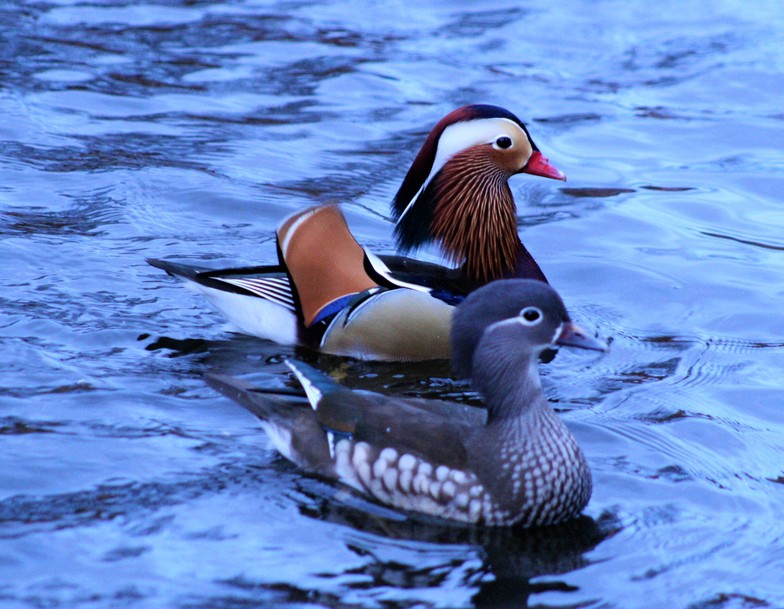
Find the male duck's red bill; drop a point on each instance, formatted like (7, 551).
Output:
(328, 293)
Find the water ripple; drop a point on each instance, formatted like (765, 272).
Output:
(189, 129)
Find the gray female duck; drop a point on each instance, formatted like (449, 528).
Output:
(514, 463)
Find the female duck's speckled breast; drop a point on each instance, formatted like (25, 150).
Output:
(536, 475)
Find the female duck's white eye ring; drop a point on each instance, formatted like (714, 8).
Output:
(530, 316)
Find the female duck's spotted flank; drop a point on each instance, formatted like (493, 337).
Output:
(513, 463)
(328, 293)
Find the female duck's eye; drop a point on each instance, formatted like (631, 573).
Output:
(531, 315)
(503, 142)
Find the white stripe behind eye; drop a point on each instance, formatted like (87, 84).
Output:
(519, 321)
(462, 135)
(505, 323)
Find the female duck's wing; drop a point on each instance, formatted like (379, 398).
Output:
(432, 430)
(286, 418)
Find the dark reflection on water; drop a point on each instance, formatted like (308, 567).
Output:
(190, 129)
(510, 558)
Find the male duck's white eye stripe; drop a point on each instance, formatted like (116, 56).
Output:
(462, 135)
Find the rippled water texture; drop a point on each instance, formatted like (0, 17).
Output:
(187, 130)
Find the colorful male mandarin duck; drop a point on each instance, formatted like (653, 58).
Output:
(330, 294)
(511, 463)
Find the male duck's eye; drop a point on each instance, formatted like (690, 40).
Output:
(503, 142)
(531, 315)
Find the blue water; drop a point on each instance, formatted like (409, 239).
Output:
(187, 130)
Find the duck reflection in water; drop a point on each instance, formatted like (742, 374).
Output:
(509, 557)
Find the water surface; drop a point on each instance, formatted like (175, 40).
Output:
(187, 130)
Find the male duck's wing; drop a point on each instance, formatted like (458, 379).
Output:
(328, 302)
(323, 260)
(447, 284)
(269, 282)
(319, 263)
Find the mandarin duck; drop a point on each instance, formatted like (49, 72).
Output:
(511, 463)
(328, 293)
